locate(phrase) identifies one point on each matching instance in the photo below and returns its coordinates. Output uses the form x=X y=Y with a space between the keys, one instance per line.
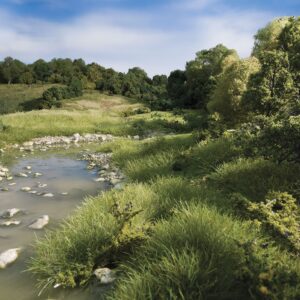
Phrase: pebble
x=9 y=256
x=28 y=168
x=64 y=193
x=22 y=175
x=42 y=185
x=40 y=223
x=101 y=179
x=9 y=223
x=48 y=195
x=37 y=174
x=11 y=184
x=9 y=213
x=25 y=189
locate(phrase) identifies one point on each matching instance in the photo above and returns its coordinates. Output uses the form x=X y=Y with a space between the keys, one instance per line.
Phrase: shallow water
x=61 y=175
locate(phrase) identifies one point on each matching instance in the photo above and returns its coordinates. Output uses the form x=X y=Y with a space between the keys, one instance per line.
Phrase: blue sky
x=158 y=36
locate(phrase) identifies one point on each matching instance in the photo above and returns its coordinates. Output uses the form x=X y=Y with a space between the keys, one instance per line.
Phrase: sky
x=156 y=35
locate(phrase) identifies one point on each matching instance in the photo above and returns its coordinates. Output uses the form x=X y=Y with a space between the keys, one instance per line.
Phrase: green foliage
x=280 y=141
x=268 y=38
x=231 y=84
x=202 y=72
x=281 y=215
x=273 y=87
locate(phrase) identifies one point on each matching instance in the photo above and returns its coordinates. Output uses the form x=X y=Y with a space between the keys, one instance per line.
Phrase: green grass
x=13 y=95
x=186 y=241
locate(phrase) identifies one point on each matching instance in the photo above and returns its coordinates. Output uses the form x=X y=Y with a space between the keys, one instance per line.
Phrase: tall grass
x=197 y=255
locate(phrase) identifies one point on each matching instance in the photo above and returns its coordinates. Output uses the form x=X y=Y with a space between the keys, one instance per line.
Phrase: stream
x=67 y=182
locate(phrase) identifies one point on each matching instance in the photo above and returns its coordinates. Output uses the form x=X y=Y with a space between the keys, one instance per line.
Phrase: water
x=61 y=175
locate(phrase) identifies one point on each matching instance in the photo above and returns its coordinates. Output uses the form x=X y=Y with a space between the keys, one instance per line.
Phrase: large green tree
x=202 y=72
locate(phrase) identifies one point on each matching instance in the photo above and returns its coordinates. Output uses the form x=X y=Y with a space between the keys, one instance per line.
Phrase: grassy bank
x=189 y=223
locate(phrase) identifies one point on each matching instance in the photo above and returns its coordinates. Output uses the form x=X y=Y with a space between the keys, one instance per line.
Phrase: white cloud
x=125 y=39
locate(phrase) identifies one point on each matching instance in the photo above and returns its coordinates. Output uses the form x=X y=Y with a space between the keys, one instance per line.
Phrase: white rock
x=105 y=275
x=9 y=256
x=28 y=144
x=136 y=137
x=28 y=168
x=22 y=175
x=37 y=174
x=64 y=193
x=48 y=195
x=9 y=178
x=32 y=192
x=101 y=179
x=11 y=184
x=40 y=223
x=9 y=223
x=9 y=213
x=42 y=185
x=26 y=189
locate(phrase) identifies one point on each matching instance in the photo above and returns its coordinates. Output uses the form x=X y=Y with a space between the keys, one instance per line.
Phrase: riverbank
x=187 y=222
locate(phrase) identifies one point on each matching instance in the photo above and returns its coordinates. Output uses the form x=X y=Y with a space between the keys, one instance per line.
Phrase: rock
x=32 y=192
x=105 y=275
x=9 y=178
x=4 y=189
x=136 y=137
x=42 y=185
x=28 y=168
x=11 y=184
x=40 y=223
x=28 y=144
x=9 y=223
x=76 y=137
x=115 y=181
x=64 y=193
x=9 y=256
x=101 y=179
x=22 y=175
x=1 y=178
x=37 y=174
x=5 y=170
x=2 y=174
x=9 y=213
x=26 y=189
x=105 y=167
x=48 y=195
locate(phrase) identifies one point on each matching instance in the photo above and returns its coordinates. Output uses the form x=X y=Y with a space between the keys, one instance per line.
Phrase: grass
x=13 y=95
x=79 y=116
x=186 y=240
x=175 y=230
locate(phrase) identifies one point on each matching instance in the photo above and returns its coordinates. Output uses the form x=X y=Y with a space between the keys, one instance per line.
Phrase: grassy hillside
x=13 y=95
x=195 y=220
x=93 y=112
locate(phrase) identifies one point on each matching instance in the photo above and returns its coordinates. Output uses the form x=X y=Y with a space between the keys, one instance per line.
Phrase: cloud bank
x=158 y=41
